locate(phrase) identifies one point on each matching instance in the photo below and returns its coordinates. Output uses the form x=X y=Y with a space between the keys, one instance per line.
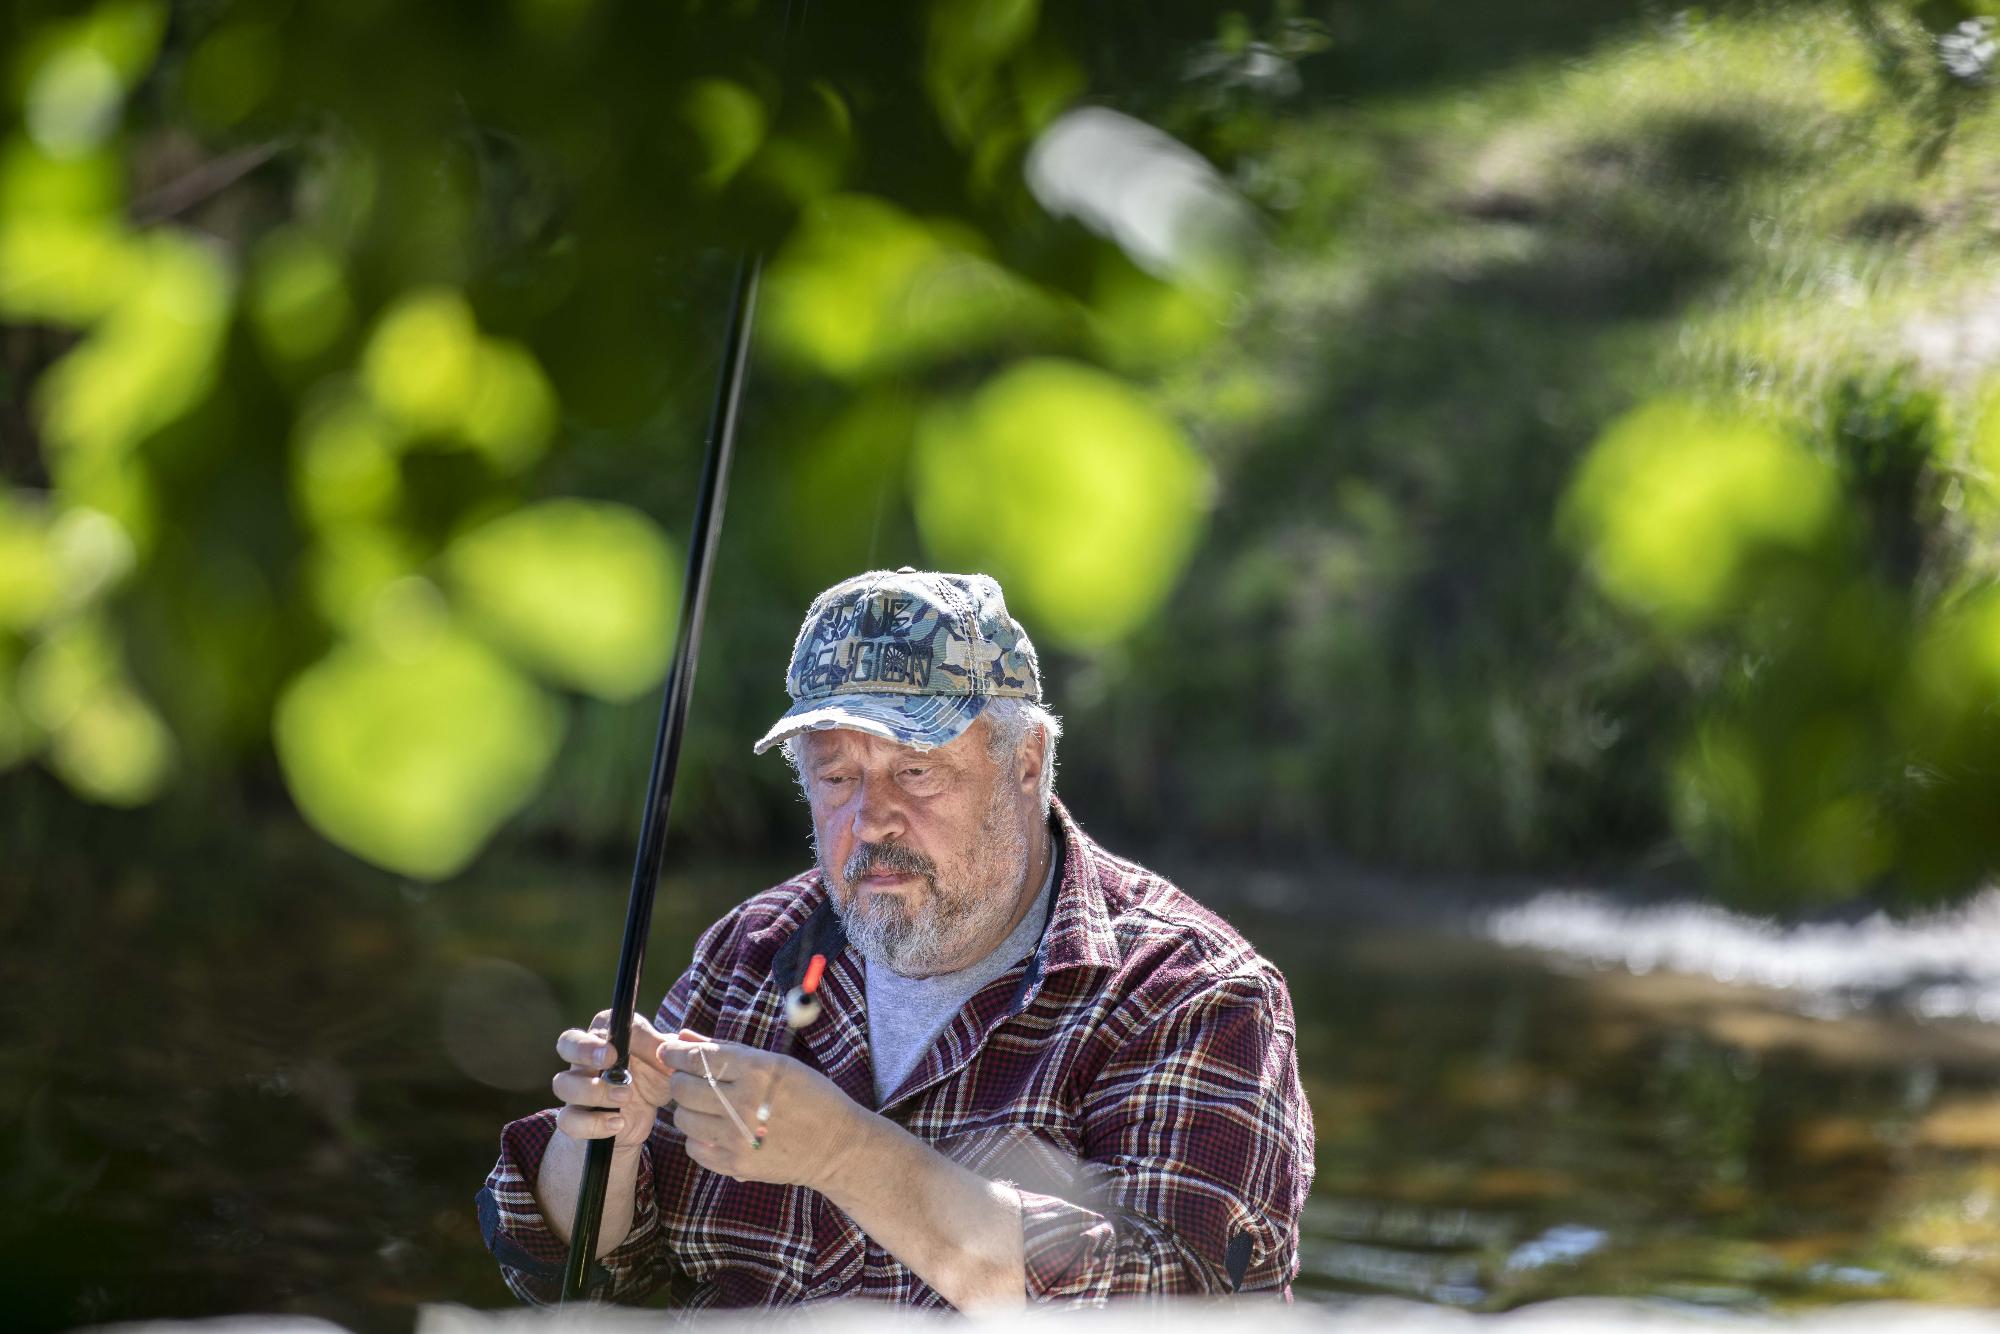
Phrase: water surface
x=275 y=1086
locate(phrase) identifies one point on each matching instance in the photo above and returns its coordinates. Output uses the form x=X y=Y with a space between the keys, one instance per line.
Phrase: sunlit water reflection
x=291 y=1104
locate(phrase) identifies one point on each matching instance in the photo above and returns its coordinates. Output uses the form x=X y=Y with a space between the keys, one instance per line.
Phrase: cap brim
x=922 y=721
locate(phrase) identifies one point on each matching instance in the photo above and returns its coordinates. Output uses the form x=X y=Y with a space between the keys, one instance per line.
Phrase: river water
x=275 y=1086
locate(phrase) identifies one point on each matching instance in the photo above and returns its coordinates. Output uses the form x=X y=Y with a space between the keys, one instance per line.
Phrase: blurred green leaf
x=410 y=748
x=298 y=295
x=969 y=40
x=64 y=254
x=350 y=566
x=29 y=579
x=344 y=467
x=1675 y=502
x=512 y=411
x=113 y=749
x=586 y=592
x=1065 y=484
x=148 y=361
x=422 y=360
x=729 y=122
x=862 y=286
x=429 y=368
x=72 y=664
x=74 y=74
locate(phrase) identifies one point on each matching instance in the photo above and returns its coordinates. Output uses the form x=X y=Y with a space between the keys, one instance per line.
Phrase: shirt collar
x=1079 y=933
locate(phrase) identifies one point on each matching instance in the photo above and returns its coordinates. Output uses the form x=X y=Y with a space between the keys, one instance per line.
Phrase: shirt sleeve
x=530 y=1255
x=1198 y=1151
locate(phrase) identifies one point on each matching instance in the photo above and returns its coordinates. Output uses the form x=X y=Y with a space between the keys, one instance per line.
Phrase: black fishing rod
x=666 y=754
x=702 y=542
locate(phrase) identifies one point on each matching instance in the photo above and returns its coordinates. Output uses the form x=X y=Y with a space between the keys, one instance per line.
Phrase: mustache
x=887 y=859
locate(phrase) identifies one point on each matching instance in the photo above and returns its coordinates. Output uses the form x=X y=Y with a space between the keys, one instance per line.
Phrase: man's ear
x=1034 y=753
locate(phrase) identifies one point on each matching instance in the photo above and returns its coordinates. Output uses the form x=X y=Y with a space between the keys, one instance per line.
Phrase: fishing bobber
x=802 y=1001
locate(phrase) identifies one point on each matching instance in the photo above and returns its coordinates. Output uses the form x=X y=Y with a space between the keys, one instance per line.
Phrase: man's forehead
x=826 y=742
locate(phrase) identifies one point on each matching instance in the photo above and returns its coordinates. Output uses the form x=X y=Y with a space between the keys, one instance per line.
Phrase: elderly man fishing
x=1031 y=1070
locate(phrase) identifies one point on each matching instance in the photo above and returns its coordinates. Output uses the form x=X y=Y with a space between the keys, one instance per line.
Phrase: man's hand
x=812 y=1130
x=593 y=1109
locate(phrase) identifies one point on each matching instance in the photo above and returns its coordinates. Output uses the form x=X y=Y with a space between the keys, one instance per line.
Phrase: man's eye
x=916 y=772
x=832 y=780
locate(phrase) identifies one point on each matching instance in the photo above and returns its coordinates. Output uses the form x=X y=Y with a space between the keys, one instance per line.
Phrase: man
x=1038 y=1072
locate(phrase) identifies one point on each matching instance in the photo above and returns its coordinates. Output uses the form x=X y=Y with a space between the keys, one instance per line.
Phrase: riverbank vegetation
x=1539 y=440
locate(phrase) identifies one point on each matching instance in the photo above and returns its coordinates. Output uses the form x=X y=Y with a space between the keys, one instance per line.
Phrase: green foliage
x=1072 y=490
x=1675 y=507
x=350 y=370
x=587 y=591
x=410 y=747
x=1594 y=460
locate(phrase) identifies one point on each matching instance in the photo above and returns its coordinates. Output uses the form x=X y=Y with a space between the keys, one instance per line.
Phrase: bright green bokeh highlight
x=299 y=300
x=1955 y=674
x=421 y=361
x=512 y=411
x=862 y=286
x=1674 y=502
x=64 y=254
x=73 y=663
x=344 y=464
x=74 y=74
x=429 y=368
x=1065 y=484
x=92 y=553
x=968 y=41
x=73 y=102
x=586 y=592
x=113 y=749
x=351 y=565
x=30 y=582
x=1983 y=452
x=412 y=758
x=150 y=359
x=105 y=742
x=729 y=123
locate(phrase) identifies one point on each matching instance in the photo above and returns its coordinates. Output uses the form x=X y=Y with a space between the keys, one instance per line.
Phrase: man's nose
x=878 y=816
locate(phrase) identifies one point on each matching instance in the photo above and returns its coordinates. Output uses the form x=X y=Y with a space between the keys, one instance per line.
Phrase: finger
x=580 y=1088
x=700 y=1059
x=703 y=1126
x=589 y=1049
x=692 y=1090
x=587 y=1123
x=646 y=1041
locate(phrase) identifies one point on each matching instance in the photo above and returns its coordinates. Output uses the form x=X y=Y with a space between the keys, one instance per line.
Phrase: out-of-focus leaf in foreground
x=583 y=591
x=409 y=746
x=1675 y=503
x=1068 y=486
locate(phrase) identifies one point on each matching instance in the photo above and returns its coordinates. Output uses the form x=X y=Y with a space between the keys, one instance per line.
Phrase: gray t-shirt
x=905 y=1014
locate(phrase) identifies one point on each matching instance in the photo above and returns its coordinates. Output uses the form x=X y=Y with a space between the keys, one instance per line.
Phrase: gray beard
x=920 y=942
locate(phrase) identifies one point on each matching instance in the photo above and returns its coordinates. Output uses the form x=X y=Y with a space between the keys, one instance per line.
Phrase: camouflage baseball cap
x=908 y=655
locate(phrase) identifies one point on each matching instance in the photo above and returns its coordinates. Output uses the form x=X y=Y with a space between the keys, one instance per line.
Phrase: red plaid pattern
x=1136 y=1080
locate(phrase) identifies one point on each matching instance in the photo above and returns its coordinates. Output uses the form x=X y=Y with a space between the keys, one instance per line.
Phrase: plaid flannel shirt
x=1135 y=1080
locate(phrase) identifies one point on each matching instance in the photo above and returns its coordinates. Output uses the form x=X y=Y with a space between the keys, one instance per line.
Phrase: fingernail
x=617 y=1123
